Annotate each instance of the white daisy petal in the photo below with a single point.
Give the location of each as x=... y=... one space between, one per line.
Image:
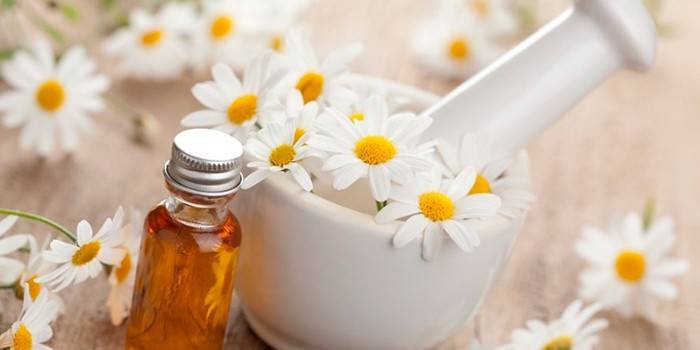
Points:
x=460 y=233
x=301 y=177
x=346 y=176
x=432 y=241
x=203 y=118
x=255 y=177
x=395 y=210
x=7 y=223
x=478 y=205
x=208 y=95
x=409 y=230
x=379 y=182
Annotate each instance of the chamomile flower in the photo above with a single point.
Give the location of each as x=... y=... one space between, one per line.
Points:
x=36 y=267
x=498 y=17
x=513 y=187
x=153 y=46
x=359 y=103
x=123 y=275
x=276 y=149
x=83 y=260
x=33 y=328
x=435 y=206
x=378 y=147
x=628 y=266
x=453 y=46
x=225 y=32
x=10 y=269
x=50 y=99
x=232 y=107
x=304 y=116
x=318 y=81
x=282 y=15
x=573 y=331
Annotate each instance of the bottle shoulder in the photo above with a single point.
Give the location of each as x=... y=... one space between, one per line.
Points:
x=160 y=223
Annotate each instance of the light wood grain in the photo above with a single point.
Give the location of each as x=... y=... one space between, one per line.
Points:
x=635 y=136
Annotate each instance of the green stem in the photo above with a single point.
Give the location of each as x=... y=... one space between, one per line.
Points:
x=44 y=220
x=8 y=286
x=380 y=205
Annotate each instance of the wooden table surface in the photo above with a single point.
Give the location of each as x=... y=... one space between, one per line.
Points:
x=634 y=137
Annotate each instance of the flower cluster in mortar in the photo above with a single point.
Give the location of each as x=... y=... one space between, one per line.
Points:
x=292 y=110
x=56 y=265
x=162 y=44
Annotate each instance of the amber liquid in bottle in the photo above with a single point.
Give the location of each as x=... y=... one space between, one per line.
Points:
x=185 y=275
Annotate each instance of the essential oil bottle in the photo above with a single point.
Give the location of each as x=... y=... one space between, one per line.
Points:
x=189 y=251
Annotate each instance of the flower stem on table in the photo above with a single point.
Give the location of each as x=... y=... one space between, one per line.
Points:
x=44 y=220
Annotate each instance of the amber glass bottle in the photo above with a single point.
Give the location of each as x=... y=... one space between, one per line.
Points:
x=185 y=276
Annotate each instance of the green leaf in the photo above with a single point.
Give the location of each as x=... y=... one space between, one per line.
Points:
x=70 y=12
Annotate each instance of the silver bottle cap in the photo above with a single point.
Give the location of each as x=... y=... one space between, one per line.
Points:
x=205 y=162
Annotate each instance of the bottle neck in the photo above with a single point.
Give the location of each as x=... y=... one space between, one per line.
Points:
x=197 y=211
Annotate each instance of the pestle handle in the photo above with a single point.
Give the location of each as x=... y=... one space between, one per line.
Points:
x=529 y=88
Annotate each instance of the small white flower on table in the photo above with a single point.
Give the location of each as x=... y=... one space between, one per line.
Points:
x=378 y=147
x=50 y=99
x=37 y=266
x=436 y=206
x=153 y=46
x=234 y=107
x=123 y=275
x=453 y=46
x=83 y=260
x=10 y=269
x=499 y=18
x=628 y=265
x=33 y=328
x=573 y=330
x=228 y=31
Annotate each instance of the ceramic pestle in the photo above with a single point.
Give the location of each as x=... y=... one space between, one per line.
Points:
x=533 y=85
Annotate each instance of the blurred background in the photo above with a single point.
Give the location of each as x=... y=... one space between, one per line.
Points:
x=634 y=138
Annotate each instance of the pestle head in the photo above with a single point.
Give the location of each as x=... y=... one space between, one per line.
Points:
x=629 y=25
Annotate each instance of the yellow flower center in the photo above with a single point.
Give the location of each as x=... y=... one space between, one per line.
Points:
x=282 y=155
x=481 y=185
x=559 y=343
x=630 y=265
x=34 y=288
x=86 y=253
x=481 y=7
x=356 y=116
x=298 y=133
x=458 y=49
x=375 y=149
x=50 y=95
x=436 y=206
x=22 y=339
x=122 y=272
x=221 y=27
x=242 y=109
x=152 y=37
x=276 y=43
x=310 y=85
